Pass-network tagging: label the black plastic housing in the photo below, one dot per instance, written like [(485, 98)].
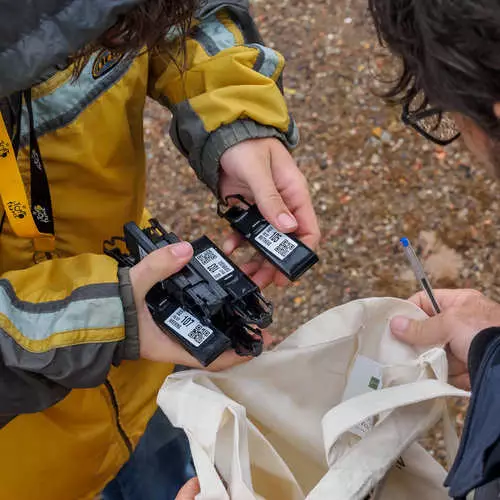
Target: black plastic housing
[(284, 251), (209, 306)]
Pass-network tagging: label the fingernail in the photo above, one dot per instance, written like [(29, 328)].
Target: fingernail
[(182, 249), (227, 247), (399, 325), (287, 221)]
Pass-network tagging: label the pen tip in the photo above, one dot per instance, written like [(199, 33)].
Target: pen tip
[(405, 242)]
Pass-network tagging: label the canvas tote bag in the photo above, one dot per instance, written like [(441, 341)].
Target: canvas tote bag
[(334, 412)]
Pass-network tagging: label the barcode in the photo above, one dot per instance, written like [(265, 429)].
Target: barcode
[(285, 247), (200, 333), (214, 263), (207, 257), (277, 243)]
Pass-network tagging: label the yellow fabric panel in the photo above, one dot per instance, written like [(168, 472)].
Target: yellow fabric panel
[(75, 437), (56, 279), (222, 105), (164, 71), (137, 383), (78, 438), (217, 86)]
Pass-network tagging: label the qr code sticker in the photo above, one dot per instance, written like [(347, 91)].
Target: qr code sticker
[(285, 248), (214, 263), (199, 334), (277, 243), (207, 257)]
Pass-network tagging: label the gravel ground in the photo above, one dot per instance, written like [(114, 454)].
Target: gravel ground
[(372, 180)]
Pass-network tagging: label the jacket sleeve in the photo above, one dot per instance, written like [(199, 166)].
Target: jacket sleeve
[(63, 323), (229, 89), (477, 463)]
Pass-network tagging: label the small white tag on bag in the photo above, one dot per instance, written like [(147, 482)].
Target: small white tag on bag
[(365, 376)]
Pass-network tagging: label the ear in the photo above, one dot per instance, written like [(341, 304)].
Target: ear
[(496, 109)]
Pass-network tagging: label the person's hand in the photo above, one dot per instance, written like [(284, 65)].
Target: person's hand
[(263, 171), (154, 344), (189, 490), (464, 313)]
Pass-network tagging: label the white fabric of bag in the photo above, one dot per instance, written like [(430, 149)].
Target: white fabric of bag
[(276, 428)]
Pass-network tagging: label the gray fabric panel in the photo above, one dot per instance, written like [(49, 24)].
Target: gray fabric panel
[(130, 348), (293, 134), (36, 35), (25, 392), (267, 60), (214, 36), (32, 382), (76, 366), (97, 291), (189, 135), (209, 7), (205, 41)]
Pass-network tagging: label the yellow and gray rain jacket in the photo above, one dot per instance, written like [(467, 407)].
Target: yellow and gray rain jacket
[(74, 397)]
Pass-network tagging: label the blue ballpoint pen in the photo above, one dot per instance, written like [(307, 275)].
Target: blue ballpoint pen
[(419, 272)]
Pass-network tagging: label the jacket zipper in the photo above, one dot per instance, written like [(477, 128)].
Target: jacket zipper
[(114, 402)]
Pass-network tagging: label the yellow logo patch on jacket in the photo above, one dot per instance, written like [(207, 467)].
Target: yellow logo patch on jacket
[(104, 62)]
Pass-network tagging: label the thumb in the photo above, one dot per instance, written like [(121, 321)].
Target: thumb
[(427, 332), (158, 266), (189, 490), (269, 201)]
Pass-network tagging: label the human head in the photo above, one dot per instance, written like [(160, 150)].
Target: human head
[(450, 53)]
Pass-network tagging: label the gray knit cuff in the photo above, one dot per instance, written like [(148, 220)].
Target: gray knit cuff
[(129, 348), (226, 137)]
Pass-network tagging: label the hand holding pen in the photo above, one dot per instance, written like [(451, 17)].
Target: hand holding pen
[(456, 317)]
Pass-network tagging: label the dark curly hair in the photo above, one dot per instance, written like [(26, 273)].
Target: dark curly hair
[(450, 54), (142, 27)]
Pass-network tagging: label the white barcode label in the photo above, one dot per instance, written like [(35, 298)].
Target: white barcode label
[(214, 263), (188, 326), (277, 243)]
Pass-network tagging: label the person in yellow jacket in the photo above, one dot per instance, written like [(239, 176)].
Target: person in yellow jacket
[(81, 360)]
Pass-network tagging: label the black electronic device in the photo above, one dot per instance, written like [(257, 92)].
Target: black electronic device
[(284, 251), (209, 306)]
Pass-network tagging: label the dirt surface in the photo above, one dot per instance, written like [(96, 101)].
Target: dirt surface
[(372, 180)]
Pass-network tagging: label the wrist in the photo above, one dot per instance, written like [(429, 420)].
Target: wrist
[(224, 139)]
